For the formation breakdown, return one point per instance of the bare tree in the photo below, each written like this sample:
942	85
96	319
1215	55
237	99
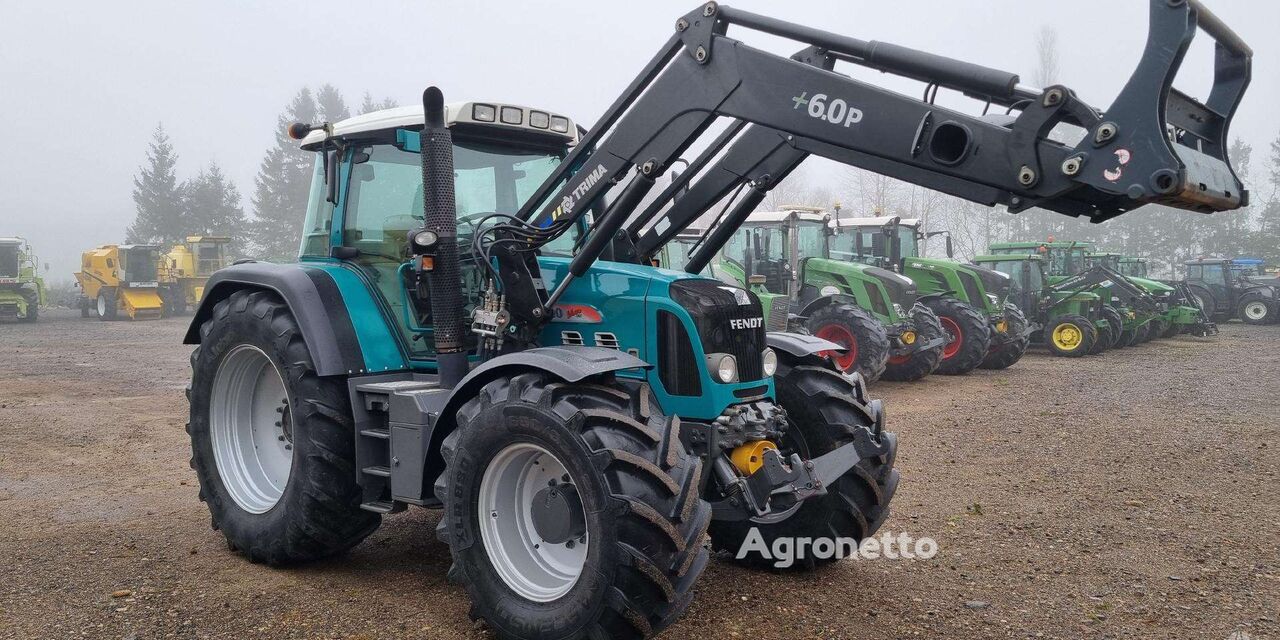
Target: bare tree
1047	69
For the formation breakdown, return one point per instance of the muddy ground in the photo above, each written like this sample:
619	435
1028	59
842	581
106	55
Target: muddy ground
1132	494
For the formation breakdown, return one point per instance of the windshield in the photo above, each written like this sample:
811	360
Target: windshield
812	239
1016	269
139	264
8	260
1214	273
907	235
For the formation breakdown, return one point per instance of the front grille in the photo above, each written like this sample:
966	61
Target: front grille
715	308
971	289
677	367
779	314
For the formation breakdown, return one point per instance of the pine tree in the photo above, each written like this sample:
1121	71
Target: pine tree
157	195
1266	241
367	105
212	207
330	105
281	186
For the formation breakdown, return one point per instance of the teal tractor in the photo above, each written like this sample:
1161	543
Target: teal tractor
971	301
873	313
22	289
1065	320
475	324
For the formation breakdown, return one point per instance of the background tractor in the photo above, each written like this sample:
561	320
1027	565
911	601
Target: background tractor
585	420
1225	294
117	280
970	301
1066	321
21	287
874	313
1175	312
187	267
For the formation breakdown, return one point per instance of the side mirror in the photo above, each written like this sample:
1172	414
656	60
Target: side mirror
951	252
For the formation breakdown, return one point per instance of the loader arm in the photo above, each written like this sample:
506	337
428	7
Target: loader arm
701	75
1132	295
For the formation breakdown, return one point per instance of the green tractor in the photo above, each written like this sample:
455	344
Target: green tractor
1065	320
785	257
970	301
1175	311
22	289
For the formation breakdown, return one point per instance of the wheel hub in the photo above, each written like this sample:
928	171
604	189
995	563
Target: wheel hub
557	514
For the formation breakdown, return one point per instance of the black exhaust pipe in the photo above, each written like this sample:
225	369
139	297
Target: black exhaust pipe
439	257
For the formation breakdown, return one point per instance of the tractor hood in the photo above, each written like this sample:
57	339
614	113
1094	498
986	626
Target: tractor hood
1152	287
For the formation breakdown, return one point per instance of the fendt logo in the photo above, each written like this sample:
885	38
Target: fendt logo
746	323
836	111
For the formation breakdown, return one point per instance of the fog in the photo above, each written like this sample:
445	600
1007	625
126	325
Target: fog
84	84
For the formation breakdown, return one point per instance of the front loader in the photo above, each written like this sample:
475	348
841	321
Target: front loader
22	289
120	281
584	420
1068	320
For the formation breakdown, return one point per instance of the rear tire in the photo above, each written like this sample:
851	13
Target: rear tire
919	364
861	333
825	410
1172	329
317	512
1070	336
1003	356
970	335
636	488
1158	327
33	309
1115	325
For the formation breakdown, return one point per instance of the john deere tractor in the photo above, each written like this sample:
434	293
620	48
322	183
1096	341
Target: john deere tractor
187	267
120	280
1175	311
1067	321
874	313
970	301
475	325
21	287
1225	293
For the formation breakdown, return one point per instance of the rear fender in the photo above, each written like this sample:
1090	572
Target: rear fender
313	298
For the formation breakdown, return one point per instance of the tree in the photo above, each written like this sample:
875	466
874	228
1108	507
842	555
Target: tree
367	105
1266	242
212	207
157	195
329	104
282	184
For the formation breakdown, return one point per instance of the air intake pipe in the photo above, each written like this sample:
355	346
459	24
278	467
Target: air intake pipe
436	244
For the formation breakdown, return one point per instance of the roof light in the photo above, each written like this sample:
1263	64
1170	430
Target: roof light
484	112
512	115
560	124
539	119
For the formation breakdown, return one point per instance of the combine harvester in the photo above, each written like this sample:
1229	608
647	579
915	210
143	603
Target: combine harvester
593	419
22	289
187	267
120	280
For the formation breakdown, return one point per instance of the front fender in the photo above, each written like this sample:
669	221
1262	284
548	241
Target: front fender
799	345
822	301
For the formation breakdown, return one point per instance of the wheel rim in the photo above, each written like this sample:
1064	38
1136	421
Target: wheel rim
102	306
535	569
252	429
955	337
1255	310
843	337
1067	337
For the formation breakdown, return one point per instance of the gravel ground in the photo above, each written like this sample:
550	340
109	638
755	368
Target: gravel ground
1126	495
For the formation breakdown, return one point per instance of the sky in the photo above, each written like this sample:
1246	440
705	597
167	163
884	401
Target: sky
84	84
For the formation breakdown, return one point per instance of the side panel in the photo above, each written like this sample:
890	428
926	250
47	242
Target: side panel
850	279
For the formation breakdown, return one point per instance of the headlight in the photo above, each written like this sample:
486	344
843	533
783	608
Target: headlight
770	362
484	112
829	290
726	368
425	238
995	299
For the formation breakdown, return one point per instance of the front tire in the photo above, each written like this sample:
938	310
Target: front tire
969	335
106	304
1256	311
272	442
1071	336
825	410
853	328
918	364
1005	355
634	545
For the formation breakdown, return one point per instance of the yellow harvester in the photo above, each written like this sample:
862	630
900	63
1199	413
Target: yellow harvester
120	280
187	267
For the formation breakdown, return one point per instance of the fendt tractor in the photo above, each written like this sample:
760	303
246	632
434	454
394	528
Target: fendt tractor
21	287
984	328
120	280
873	313
187	267
1068	321
1225	294
474	326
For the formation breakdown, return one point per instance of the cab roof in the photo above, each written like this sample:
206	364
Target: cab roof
875	221
12	241
1008	257
454	113
805	214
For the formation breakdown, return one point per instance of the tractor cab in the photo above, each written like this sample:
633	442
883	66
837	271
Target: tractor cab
1133	267
1062	259
771	247
21	287
1224	290
139	265
1107	260
10	260
1026	273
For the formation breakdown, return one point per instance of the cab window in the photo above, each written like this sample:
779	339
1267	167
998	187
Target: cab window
318	223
